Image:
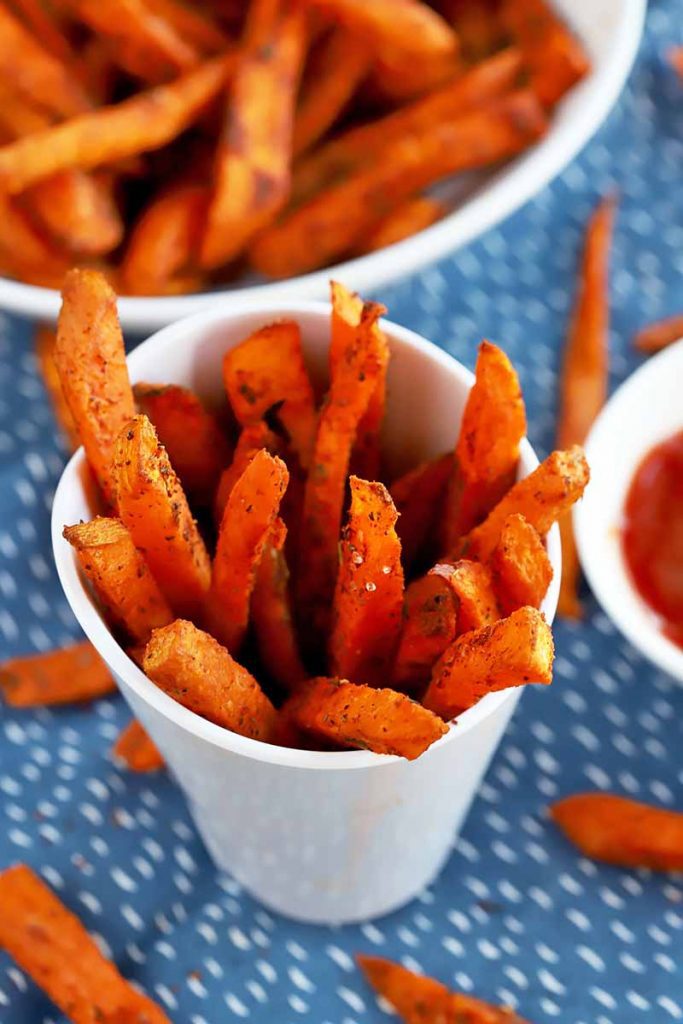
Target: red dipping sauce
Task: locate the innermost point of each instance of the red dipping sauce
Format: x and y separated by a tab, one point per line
652	535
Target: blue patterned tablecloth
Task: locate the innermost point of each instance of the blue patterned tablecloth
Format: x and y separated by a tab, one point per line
516	916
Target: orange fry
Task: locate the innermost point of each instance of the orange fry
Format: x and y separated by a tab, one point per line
472	585
267	372
142	123
477	27
271	613
335	220
396	78
152	504
368	598
250	441
334	71
356	366
405	26
164	242
333	161
253	164
512	652
35	73
249	515
675	56
520	566
583	381
430	624
420	1000
196	26
136	750
25	252
195	443
657	336
542	497
118	574
78	211
51	945
91	362
45	341
355	715
555	58
43	26
621	831
487	451
417	496
193	668
64	676
406	220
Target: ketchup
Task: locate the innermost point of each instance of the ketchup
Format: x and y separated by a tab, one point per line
652	535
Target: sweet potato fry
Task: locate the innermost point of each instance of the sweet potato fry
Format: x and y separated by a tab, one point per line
395	79
164	242
51	945
430	625
512	652
196	445
250	441
91	362
420	1000
25	252
368	599
334	71
417	496
196	26
142	123
334	221
405	26
520	566
356	366
45	341
487	451
43	25
355	715
335	160
152	504
477	26
471	582
78	211
119	576
136	750
583	381
64	676
249	516
620	831
542	497
271	613
406	220
35	73
555	58
655	337
675	56
193	668
267	372
253	164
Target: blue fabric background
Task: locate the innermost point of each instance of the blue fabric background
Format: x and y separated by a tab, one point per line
516	916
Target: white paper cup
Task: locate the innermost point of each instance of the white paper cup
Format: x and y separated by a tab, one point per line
320	837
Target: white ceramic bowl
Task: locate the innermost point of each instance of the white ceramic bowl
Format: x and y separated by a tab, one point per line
610	29
327	837
646	409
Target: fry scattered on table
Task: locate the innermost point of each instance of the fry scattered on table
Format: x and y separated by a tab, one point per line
63	676
136	750
655	337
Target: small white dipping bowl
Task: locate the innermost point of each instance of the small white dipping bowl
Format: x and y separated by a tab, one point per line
321	837
646	409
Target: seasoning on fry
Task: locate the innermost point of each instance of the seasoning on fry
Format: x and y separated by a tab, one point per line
472	585
355	715
657	336
91	362
520	566
63	676
193	668
512	652
136	750
250	441
583	381
620	831
368	600
152	505
51	945
119	575
430	624
249	516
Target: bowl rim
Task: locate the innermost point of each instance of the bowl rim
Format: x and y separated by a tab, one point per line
642	629
509	189
121	665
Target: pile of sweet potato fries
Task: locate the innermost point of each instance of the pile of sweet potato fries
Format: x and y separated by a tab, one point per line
406	604
175	146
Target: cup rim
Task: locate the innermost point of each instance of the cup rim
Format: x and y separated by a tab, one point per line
95	629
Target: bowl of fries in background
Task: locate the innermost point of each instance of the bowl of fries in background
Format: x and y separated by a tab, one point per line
314	833
246	152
